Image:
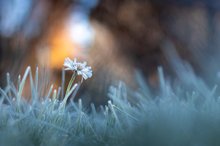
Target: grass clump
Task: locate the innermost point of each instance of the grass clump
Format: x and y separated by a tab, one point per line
175	117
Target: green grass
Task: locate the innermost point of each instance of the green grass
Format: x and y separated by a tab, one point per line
176	116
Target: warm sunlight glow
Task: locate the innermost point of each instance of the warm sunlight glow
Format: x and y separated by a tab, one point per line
62	46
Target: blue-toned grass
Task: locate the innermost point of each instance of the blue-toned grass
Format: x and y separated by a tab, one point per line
173	117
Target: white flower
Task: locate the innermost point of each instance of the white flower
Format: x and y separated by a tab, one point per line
78	67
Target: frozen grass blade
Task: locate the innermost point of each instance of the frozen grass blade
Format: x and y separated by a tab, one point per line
144	87
21	86
162	82
36	79
8	84
33	88
54	94
93	109
114	113
58	93
5	96
19	81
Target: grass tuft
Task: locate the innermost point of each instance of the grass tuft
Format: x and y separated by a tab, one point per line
174	117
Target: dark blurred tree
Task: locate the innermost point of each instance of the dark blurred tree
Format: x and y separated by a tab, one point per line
141	28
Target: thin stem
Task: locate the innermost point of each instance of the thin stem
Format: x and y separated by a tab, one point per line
81	79
71	82
63	103
62	83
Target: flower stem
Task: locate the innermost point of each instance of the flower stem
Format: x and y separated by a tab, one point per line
71	82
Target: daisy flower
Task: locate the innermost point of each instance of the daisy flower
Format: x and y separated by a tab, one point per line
78	67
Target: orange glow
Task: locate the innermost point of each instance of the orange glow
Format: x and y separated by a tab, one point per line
62	46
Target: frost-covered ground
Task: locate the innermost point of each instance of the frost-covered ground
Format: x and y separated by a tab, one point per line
183	114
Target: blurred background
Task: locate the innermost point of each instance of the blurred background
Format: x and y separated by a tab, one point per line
115	37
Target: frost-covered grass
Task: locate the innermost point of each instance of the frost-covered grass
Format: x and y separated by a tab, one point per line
176	116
